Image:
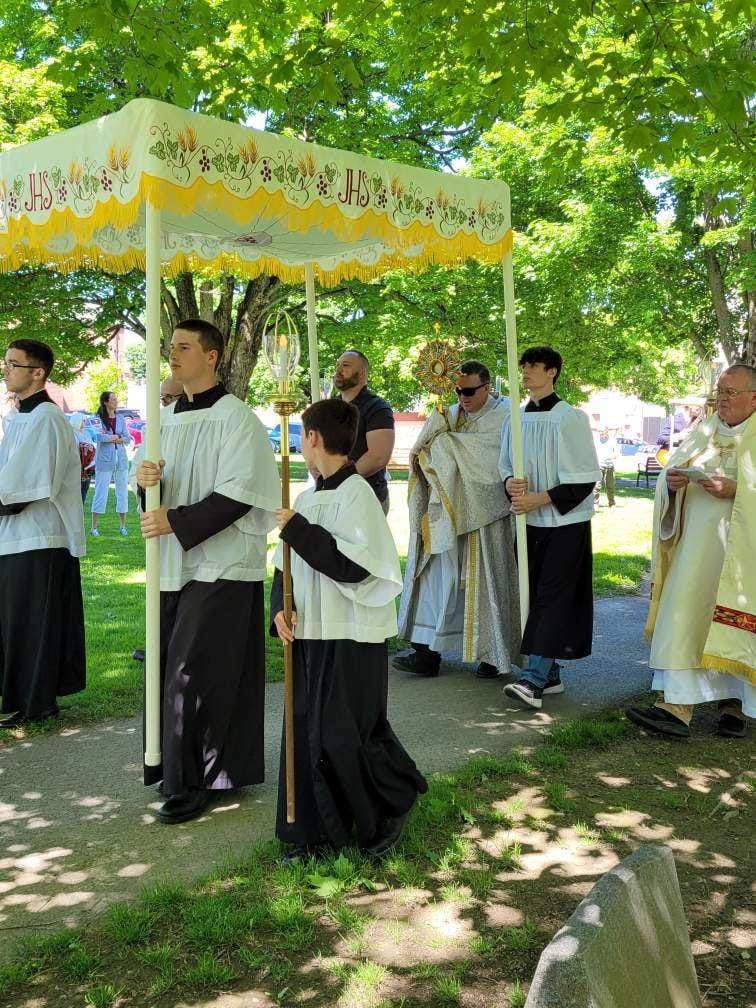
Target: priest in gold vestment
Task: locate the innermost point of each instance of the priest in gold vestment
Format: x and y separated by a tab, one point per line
702	620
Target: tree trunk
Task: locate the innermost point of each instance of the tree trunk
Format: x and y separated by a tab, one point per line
749	300
243	347
242	332
719	302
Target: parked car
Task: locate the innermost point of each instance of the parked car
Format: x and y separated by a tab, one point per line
629	446
135	427
295	437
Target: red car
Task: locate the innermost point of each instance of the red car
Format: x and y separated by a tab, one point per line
135	427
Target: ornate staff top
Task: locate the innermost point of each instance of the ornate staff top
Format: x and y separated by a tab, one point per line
437	365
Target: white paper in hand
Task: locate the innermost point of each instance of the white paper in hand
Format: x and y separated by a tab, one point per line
694	474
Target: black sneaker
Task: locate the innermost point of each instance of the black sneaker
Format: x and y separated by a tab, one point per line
659	721
554	683
525	693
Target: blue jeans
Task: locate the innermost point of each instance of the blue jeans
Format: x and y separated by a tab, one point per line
537	672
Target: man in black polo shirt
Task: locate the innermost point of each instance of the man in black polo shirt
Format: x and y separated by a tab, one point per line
375	434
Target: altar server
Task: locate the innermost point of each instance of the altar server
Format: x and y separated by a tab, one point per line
352	773
220	489
556	494
42	652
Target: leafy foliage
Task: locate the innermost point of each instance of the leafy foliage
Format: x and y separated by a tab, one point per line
599	113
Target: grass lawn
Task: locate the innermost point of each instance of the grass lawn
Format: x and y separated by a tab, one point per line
113	582
494	860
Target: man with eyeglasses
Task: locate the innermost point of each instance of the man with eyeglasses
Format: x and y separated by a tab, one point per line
556	493
702	620
42	652
170	390
460	590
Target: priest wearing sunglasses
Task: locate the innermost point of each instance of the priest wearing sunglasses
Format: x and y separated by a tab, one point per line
460	588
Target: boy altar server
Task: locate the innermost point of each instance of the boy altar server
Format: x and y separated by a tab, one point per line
220	488
351	770
556	494
41	539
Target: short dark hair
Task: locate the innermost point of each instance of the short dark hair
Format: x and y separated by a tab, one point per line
336	421
360	354
476	368
545	355
210	337
38	353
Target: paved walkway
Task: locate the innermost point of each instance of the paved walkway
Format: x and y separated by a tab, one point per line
76	829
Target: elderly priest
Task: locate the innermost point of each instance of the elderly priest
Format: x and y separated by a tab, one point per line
702	620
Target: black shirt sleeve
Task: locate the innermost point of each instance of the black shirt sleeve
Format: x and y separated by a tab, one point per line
192	524
276	599
318	548
567	496
11	509
380	417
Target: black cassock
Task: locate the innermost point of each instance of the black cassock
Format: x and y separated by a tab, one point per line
212	660
351	771
560	570
42	653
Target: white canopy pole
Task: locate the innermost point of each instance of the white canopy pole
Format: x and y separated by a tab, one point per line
152	756
312	333
513	372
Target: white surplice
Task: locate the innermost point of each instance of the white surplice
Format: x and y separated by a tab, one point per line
223	449
40	466
340	610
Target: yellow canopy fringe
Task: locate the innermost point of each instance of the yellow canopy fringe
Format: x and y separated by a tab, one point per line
231	263
248	212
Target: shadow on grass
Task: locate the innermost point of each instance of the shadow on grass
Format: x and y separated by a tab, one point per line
494	860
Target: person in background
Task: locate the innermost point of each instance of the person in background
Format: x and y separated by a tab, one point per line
702	620
111	436
556	493
375	436
42	654
170	390
606	450
87	451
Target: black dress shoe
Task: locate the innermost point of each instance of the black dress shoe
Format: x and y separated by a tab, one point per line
659	721
137	654
731	726
418	663
303	852
388	834
183	807
18	718
486	671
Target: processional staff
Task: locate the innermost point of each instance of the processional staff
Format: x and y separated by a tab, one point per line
281	350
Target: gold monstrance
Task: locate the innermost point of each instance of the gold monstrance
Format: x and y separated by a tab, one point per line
437	365
281	349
